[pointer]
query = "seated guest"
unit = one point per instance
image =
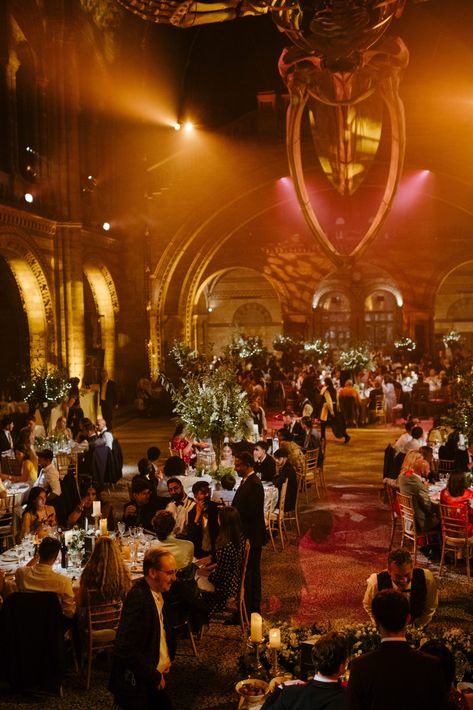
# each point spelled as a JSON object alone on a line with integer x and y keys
{"x": 84, "y": 510}
{"x": 439, "y": 650}
{"x": 227, "y": 491}
{"x": 39, "y": 576}
{"x": 325, "y": 691}
{"x": 179, "y": 506}
{"x": 105, "y": 574}
{"x": 449, "y": 450}
{"x": 416, "y": 441}
{"x": 6, "y": 436}
{"x": 37, "y": 516}
{"x": 49, "y": 477}
{"x": 28, "y": 471}
{"x": 264, "y": 464}
{"x": 61, "y": 429}
{"x": 227, "y": 456}
{"x": 311, "y": 435}
{"x": 181, "y": 550}
{"x": 293, "y": 426}
{"x": 411, "y": 483}
{"x": 27, "y": 434}
{"x": 404, "y": 439}
{"x": 294, "y": 452}
{"x": 173, "y": 467}
{"x": 181, "y": 444}
{"x": 428, "y": 454}
{"x": 286, "y": 472}
{"x": 202, "y": 521}
{"x": 417, "y": 584}
{"x": 395, "y": 676}
{"x": 221, "y": 581}
{"x": 139, "y": 511}
{"x": 457, "y": 493}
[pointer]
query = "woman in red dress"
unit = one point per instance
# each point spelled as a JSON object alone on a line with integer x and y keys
{"x": 457, "y": 493}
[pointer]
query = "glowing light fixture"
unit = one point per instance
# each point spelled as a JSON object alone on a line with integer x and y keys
{"x": 210, "y": 309}
{"x": 177, "y": 126}
{"x": 28, "y": 197}
{"x": 106, "y": 226}
{"x": 188, "y": 127}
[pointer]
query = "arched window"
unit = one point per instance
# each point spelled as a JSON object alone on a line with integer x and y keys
{"x": 380, "y": 318}
{"x": 335, "y": 313}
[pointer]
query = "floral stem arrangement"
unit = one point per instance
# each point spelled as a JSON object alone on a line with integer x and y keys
{"x": 451, "y": 339}
{"x": 356, "y": 358}
{"x": 44, "y": 390}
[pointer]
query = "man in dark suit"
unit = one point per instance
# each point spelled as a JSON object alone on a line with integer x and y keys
{"x": 144, "y": 647}
{"x": 293, "y": 426}
{"x": 108, "y": 399}
{"x": 264, "y": 464}
{"x": 249, "y": 501}
{"x": 395, "y": 675}
{"x": 202, "y": 521}
{"x": 325, "y": 691}
{"x": 6, "y": 436}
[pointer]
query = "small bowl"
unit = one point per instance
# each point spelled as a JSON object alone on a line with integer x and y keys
{"x": 256, "y": 683}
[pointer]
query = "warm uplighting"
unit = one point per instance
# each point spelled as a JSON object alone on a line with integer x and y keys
{"x": 188, "y": 127}
{"x": 28, "y": 197}
{"x": 106, "y": 226}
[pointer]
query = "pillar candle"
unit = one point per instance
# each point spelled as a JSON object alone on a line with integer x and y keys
{"x": 275, "y": 638}
{"x": 103, "y": 527}
{"x": 68, "y": 536}
{"x": 96, "y": 508}
{"x": 256, "y": 628}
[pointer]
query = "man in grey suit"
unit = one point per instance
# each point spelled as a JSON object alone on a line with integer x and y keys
{"x": 411, "y": 483}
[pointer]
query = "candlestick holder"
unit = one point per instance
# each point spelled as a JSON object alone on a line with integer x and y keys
{"x": 254, "y": 666}
{"x": 274, "y": 668}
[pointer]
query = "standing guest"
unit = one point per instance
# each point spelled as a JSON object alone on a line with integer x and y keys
{"x": 75, "y": 413}
{"x": 258, "y": 416}
{"x": 202, "y": 521}
{"x": 181, "y": 550}
{"x": 395, "y": 676}
{"x": 108, "y": 398}
{"x": 286, "y": 472}
{"x": 324, "y": 691}
{"x": 330, "y": 412}
{"x": 49, "y": 477}
{"x": 264, "y": 464}
{"x": 39, "y": 576}
{"x": 293, "y": 426}
{"x": 139, "y": 511}
{"x": 104, "y": 433}
{"x": 417, "y": 584}
{"x": 221, "y": 581}
{"x": 28, "y": 471}
{"x": 180, "y": 505}
{"x": 144, "y": 646}
{"x": 249, "y": 501}
{"x": 105, "y": 574}
{"x": 37, "y": 516}
{"x": 458, "y": 494}
{"x": 6, "y": 437}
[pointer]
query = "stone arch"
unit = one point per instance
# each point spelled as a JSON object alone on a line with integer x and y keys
{"x": 35, "y": 298}
{"x": 454, "y": 302}
{"x": 105, "y": 297}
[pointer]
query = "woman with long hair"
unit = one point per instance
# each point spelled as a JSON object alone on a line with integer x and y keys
{"x": 37, "y": 515}
{"x": 181, "y": 444}
{"x": 105, "y": 574}
{"x": 61, "y": 428}
{"x": 221, "y": 580}
{"x": 28, "y": 471}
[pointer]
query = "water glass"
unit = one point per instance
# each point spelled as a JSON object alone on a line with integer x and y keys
{"x": 121, "y": 528}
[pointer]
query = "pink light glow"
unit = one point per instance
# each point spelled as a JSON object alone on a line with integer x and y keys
{"x": 411, "y": 188}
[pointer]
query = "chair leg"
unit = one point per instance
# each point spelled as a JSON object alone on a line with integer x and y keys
{"x": 191, "y": 636}
{"x": 89, "y": 669}
{"x": 296, "y": 516}
{"x": 442, "y": 558}
{"x": 271, "y": 535}
{"x": 281, "y": 534}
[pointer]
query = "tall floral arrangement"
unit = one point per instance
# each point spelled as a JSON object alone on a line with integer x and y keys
{"x": 44, "y": 390}
{"x": 356, "y": 358}
{"x": 210, "y": 402}
{"x": 460, "y": 413}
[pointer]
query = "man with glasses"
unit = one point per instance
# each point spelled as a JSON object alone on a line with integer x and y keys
{"x": 144, "y": 647}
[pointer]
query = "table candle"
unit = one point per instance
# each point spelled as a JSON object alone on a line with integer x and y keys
{"x": 96, "y": 508}
{"x": 275, "y": 638}
{"x": 68, "y": 536}
{"x": 103, "y": 527}
{"x": 256, "y": 627}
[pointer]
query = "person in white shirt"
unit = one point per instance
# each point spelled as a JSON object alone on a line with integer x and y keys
{"x": 49, "y": 477}
{"x": 417, "y": 440}
{"x": 404, "y": 439}
{"x": 417, "y": 584}
{"x": 179, "y": 506}
{"x": 104, "y": 433}
{"x": 39, "y": 576}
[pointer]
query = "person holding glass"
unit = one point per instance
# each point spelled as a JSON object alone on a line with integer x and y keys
{"x": 38, "y": 516}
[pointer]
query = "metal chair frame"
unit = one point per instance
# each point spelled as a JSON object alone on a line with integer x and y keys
{"x": 454, "y": 521}
{"x": 276, "y": 520}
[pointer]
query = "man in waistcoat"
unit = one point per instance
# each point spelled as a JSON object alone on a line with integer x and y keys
{"x": 417, "y": 584}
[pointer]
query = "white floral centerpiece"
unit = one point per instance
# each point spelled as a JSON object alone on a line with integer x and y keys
{"x": 318, "y": 347}
{"x": 451, "y": 339}
{"x": 356, "y": 358}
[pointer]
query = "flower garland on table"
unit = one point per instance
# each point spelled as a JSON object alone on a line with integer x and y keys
{"x": 362, "y": 638}
{"x": 54, "y": 442}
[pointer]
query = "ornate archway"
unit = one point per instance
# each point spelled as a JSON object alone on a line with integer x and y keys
{"x": 35, "y": 298}
{"x": 107, "y": 308}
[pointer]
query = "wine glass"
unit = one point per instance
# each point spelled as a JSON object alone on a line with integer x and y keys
{"x": 121, "y": 528}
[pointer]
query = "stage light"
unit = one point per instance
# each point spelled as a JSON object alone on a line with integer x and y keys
{"x": 28, "y": 197}
{"x": 177, "y": 126}
{"x": 210, "y": 309}
{"x": 106, "y": 226}
{"x": 188, "y": 127}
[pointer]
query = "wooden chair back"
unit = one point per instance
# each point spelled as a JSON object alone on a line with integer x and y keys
{"x": 102, "y": 619}
{"x": 444, "y": 466}
{"x": 454, "y": 521}
{"x": 379, "y": 409}
{"x": 408, "y": 521}
{"x": 7, "y": 522}
{"x": 11, "y": 466}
